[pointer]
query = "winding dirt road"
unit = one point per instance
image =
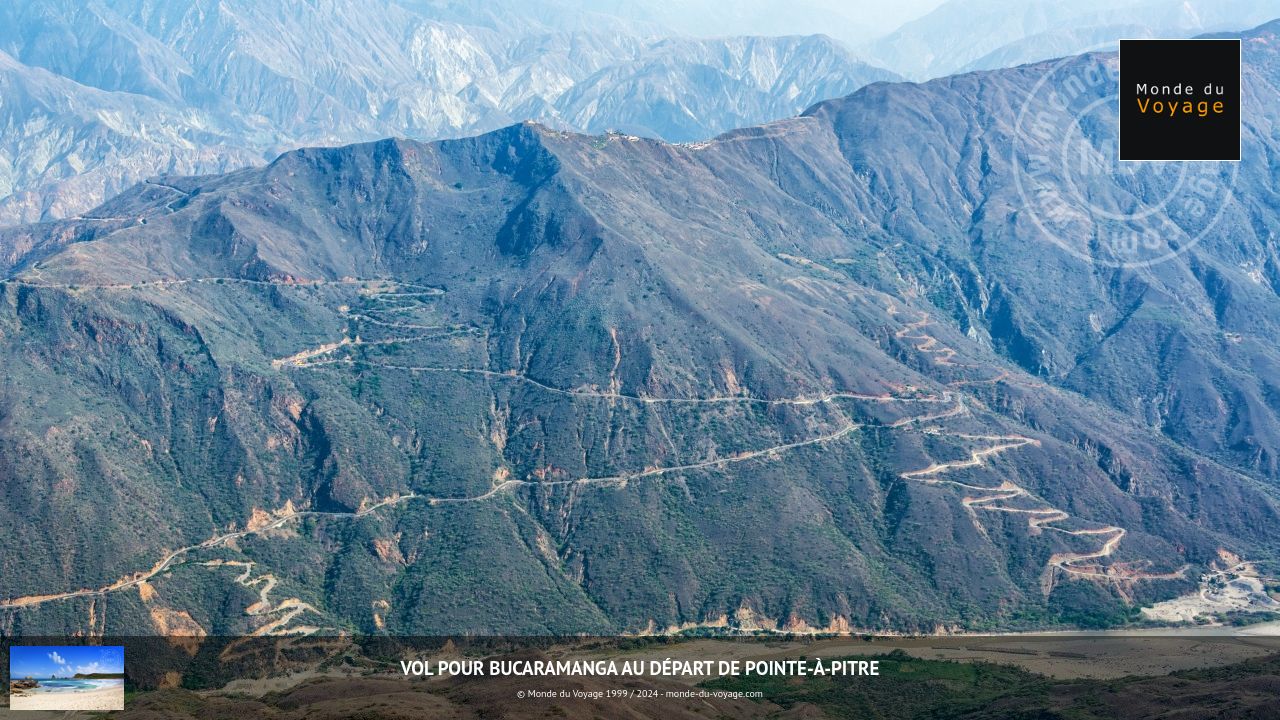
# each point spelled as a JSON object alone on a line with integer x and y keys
{"x": 997, "y": 499}
{"x": 1000, "y": 498}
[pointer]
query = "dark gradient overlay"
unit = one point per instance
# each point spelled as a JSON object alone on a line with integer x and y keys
{"x": 1076, "y": 675}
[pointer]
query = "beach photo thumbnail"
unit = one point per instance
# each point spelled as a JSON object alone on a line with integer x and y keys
{"x": 71, "y": 677}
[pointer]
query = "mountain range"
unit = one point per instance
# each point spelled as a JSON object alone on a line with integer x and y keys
{"x": 831, "y": 372}
{"x": 101, "y": 95}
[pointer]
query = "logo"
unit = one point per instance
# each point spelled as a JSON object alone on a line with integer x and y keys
{"x": 1179, "y": 99}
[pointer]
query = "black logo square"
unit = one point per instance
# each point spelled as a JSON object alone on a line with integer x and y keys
{"x": 1180, "y": 99}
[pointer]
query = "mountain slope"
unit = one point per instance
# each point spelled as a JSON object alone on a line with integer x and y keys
{"x": 1178, "y": 345}
{"x": 65, "y": 144}
{"x": 677, "y": 85}
{"x": 800, "y": 376}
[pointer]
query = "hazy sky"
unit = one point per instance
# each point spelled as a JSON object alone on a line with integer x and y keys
{"x": 852, "y": 21}
{"x": 849, "y": 20}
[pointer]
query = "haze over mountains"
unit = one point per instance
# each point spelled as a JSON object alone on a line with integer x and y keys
{"x": 822, "y": 373}
{"x": 100, "y": 95}
{"x": 964, "y": 35}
